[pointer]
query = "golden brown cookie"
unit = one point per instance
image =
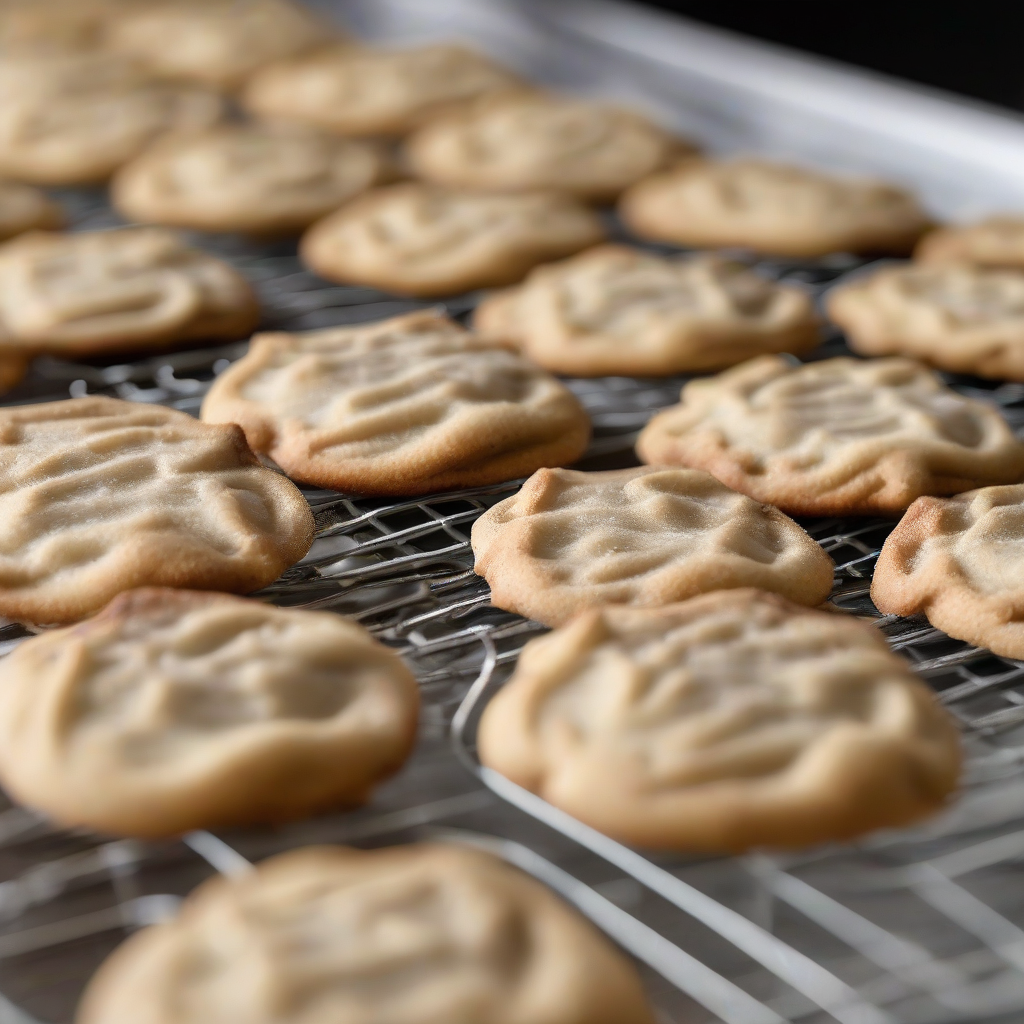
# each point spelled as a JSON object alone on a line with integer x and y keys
{"x": 961, "y": 318}
{"x": 24, "y": 208}
{"x": 175, "y": 710}
{"x": 730, "y": 721}
{"x": 837, "y": 437}
{"x": 103, "y": 291}
{"x": 994, "y": 242}
{"x": 532, "y": 140}
{"x": 774, "y": 208}
{"x": 960, "y": 561}
{"x": 646, "y": 537}
{"x": 427, "y": 241}
{"x": 620, "y": 311}
{"x": 246, "y": 177}
{"x": 361, "y": 92}
{"x": 410, "y": 405}
{"x": 101, "y": 496}
{"x": 419, "y": 934}
{"x": 46, "y": 26}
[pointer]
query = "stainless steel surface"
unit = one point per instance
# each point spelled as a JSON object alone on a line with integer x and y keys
{"x": 920, "y": 925}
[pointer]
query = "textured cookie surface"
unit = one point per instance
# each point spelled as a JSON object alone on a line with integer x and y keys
{"x": 23, "y": 208}
{"x": 957, "y": 317}
{"x": 403, "y": 406}
{"x": 995, "y": 242}
{"x": 539, "y": 141}
{"x": 649, "y": 536}
{"x": 615, "y": 310}
{"x": 834, "y": 437}
{"x": 175, "y": 710}
{"x": 772, "y": 208}
{"x": 355, "y": 91}
{"x": 960, "y": 561}
{"x": 258, "y": 178}
{"x": 101, "y": 291}
{"x": 428, "y": 241}
{"x": 726, "y": 722}
{"x": 419, "y": 934}
{"x": 101, "y": 496}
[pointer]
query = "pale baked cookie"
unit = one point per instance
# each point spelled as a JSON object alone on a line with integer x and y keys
{"x": 354, "y": 91}
{"x": 428, "y": 241}
{"x": 532, "y": 140}
{"x": 774, "y": 208}
{"x": 956, "y": 317}
{"x": 175, "y": 710}
{"x": 58, "y": 25}
{"x": 24, "y": 208}
{"x": 647, "y": 537}
{"x": 836, "y": 437}
{"x": 616, "y": 310}
{"x": 102, "y": 495}
{"x": 960, "y": 561}
{"x": 218, "y": 43}
{"x": 730, "y": 721}
{"x": 410, "y": 405}
{"x": 104, "y": 291}
{"x": 246, "y": 177}
{"x": 419, "y": 934}
{"x": 995, "y": 242}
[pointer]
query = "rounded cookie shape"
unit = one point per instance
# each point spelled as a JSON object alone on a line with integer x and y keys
{"x": 246, "y": 177}
{"x": 410, "y": 405}
{"x": 354, "y": 91}
{"x": 24, "y": 208}
{"x": 101, "y": 496}
{"x": 532, "y": 140}
{"x": 415, "y": 934}
{"x": 730, "y": 721}
{"x": 960, "y": 561}
{"x": 614, "y": 310}
{"x": 175, "y": 710}
{"x": 423, "y": 240}
{"x": 646, "y": 537}
{"x": 112, "y": 291}
{"x": 960, "y": 318}
{"x": 995, "y": 242}
{"x": 774, "y": 208}
{"x": 836, "y": 437}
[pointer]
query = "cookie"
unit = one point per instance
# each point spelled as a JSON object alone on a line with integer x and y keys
{"x": 772, "y": 208}
{"x": 174, "y": 710}
{"x": 410, "y": 405}
{"x": 246, "y": 177}
{"x": 13, "y": 367}
{"x": 731, "y": 721}
{"x": 47, "y": 26}
{"x": 101, "y": 496}
{"x": 618, "y": 311}
{"x": 837, "y": 437}
{"x": 645, "y": 537}
{"x": 104, "y": 291}
{"x": 533, "y": 140}
{"x": 995, "y": 242}
{"x": 218, "y": 43}
{"x": 74, "y": 119}
{"x": 417, "y": 934}
{"x": 956, "y": 317}
{"x": 24, "y": 208}
{"x": 959, "y": 561}
{"x": 363, "y": 92}
{"x": 426, "y": 241}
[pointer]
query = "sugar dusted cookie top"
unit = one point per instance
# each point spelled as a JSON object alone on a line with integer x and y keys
{"x": 617, "y": 310}
{"x": 174, "y": 710}
{"x": 102, "y": 495}
{"x": 428, "y": 241}
{"x": 995, "y": 242}
{"x": 730, "y": 721}
{"x": 961, "y": 318}
{"x": 774, "y": 208}
{"x": 103, "y": 291}
{"x": 24, "y": 208}
{"x": 403, "y": 406}
{"x": 415, "y": 934}
{"x": 533, "y": 140}
{"x": 354, "y": 91}
{"x": 834, "y": 437}
{"x": 646, "y": 537}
